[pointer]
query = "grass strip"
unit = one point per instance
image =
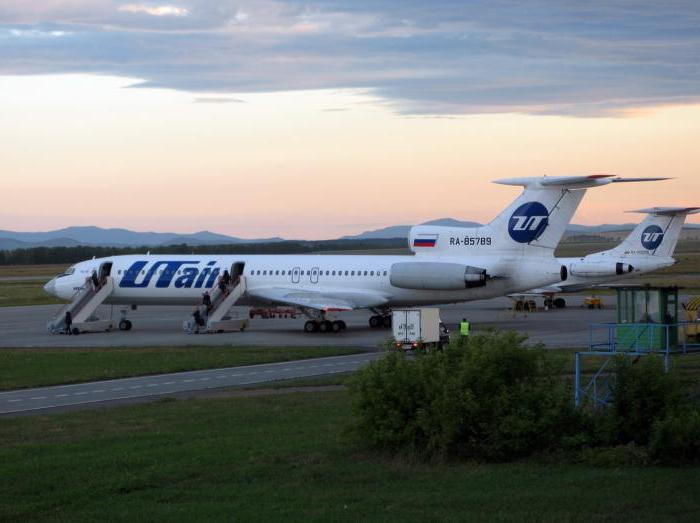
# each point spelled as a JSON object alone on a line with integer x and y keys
{"x": 286, "y": 458}
{"x": 23, "y": 368}
{"x": 21, "y": 293}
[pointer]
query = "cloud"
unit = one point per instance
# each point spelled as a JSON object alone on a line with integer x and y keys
{"x": 448, "y": 57}
{"x": 217, "y": 100}
{"x": 155, "y": 10}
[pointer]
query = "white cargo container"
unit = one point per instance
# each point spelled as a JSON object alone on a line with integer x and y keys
{"x": 418, "y": 328}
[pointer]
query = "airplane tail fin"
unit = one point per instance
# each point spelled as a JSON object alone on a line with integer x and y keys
{"x": 534, "y": 223}
{"x": 658, "y": 233}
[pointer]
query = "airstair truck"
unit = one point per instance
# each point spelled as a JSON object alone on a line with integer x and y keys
{"x": 418, "y": 329}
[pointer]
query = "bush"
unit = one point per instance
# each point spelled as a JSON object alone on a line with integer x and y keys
{"x": 490, "y": 398}
{"x": 675, "y": 439}
{"x": 642, "y": 394}
{"x": 630, "y": 455}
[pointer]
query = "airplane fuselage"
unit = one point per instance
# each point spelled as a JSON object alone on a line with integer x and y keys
{"x": 182, "y": 279}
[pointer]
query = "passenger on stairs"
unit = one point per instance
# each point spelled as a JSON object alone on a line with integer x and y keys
{"x": 95, "y": 281}
{"x": 223, "y": 287}
{"x": 206, "y": 301}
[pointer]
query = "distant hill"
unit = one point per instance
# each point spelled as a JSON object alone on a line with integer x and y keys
{"x": 611, "y": 229}
{"x": 97, "y": 236}
{"x": 71, "y": 236}
{"x": 401, "y": 231}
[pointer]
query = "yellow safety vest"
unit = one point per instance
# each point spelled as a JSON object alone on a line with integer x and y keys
{"x": 464, "y": 328}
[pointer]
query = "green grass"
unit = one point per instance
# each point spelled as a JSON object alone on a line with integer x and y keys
{"x": 285, "y": 458}
{"x": 49, "y": 270}
{"x": 18, "y": 293}
{"x": 340, "y": 378}
{"x": 22, "y": 368}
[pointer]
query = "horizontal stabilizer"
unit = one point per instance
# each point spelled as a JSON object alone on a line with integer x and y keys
{"x": 669, "y": 211}
{"x": 571, "y": 182}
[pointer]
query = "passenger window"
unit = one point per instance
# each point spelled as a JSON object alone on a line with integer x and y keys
{"x": 333, "y": 273}
{"x": 327, "y": 273}
{"x": 346, "y": 273}
{"x": 277, "y": 273}
{"x": 283, "y": 273}
{"x": 384, "y": 273}
{"x": 352, "y": 273}
{"x": 264, "y": 273}
{"x": 365, "y": 273}
{"x": 371, "y": 273}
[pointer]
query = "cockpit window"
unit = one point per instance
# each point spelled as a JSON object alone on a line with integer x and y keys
{"x": 67, "y": 272}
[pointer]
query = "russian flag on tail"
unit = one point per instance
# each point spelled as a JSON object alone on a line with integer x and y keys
{"x": 425, "y": 240}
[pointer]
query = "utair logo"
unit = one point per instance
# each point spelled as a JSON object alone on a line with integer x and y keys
{"x": 182, "y": 274}
{"x": 528, "y": 222}
{"x": 652, "y": 237}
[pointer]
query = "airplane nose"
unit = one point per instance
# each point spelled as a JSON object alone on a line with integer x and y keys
{"x": 50, "y": 287}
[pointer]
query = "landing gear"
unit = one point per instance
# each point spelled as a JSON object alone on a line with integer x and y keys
{"x": 380, "y": 321}
{"x": 559, "y": 303}
{"x": 124, "y": 325}
{"x": 324, "y": 326}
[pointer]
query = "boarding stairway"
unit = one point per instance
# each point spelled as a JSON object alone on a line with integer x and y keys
{"x": 221, "y": 317}
{"x": 82, "y": 307}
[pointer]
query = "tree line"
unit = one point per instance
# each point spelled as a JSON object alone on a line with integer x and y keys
{"x": 50, "y": 255}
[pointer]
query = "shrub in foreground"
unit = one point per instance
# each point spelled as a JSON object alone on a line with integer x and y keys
{"x": 489, "y": 399}
{"x": 675, "y": 439}
{"x": 642, "y": 395}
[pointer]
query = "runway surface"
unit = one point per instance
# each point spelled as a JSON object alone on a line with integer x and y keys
{"x": 162, "y": 326}
{"x": 47, "y": 398}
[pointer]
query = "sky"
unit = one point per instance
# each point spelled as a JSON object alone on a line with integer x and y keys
{"x": 320, "y": 119}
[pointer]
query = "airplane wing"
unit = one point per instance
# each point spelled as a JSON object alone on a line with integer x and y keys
{"x": 323, "y": 301}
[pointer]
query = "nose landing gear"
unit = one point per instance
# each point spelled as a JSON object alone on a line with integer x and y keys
{"x": 380, "y": 321}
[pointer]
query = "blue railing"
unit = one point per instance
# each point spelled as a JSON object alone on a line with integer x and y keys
{"x": 630, "y": 339}
{"x": 645, "y": 338}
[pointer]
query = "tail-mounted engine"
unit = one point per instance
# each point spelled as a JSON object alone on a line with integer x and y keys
{"x": 436, "y": 276}
{"x": 593, "y": 269}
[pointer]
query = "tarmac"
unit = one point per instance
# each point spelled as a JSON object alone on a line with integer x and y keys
{"x": 25, "y": 327}
{"x": 162, "y": 326}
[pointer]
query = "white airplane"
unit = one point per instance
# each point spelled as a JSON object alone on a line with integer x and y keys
{"x": 649, "y": 247}
{"x": 512, "y": 253}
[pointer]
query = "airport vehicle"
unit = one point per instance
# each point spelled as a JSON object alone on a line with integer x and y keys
{"x": 647, "y": 248}
{"x": 451, "y": 264}
{"x": 419, "y": 329}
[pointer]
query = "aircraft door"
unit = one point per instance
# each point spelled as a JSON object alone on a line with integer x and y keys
{"x": 237, "y": 271}
{"x": 296, "y": 271}
{"x": 314, "y": 275}
{"x": 104, "y": 271}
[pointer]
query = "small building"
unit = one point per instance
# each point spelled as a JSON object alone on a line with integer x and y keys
{"x": 647, "y": 323}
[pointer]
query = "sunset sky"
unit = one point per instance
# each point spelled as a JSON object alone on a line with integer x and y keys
{"x": 325, "y": 118}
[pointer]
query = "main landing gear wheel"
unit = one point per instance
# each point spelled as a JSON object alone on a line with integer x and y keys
{"x": 125, "y": 325}
{"x": 324, "y": 326}
{"x": 559, "y": 303}
{"x": 311, "y": 326}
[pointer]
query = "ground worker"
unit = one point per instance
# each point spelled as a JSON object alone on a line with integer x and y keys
{"x": 464, "y": 328}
